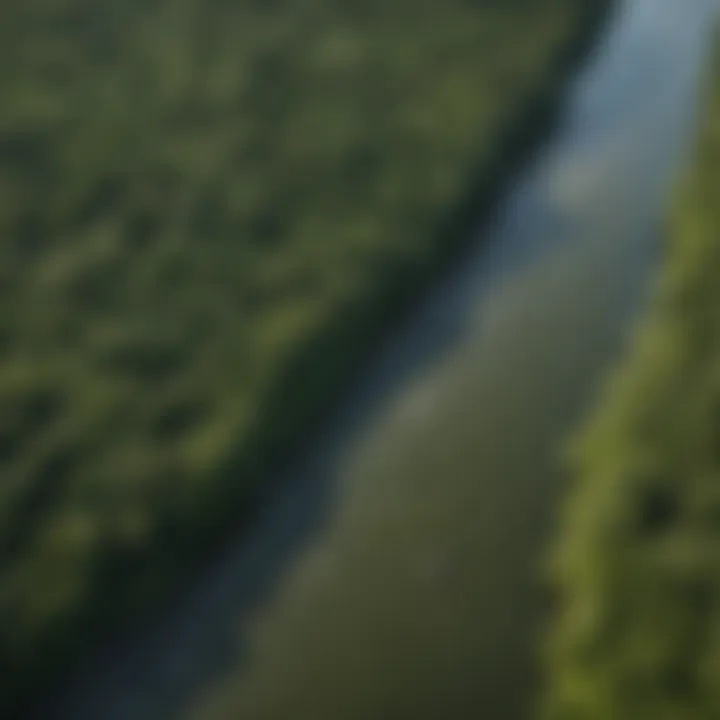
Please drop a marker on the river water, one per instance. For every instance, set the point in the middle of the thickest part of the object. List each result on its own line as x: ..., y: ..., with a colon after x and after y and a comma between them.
x: 396, y: 573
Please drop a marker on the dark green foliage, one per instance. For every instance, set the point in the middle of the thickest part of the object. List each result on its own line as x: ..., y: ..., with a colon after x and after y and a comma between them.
x: 206, y: 206
x: 638, y: 563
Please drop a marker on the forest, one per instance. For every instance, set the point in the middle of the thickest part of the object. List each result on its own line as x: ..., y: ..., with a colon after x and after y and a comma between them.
x: 208, y: 209
x: 636, y: 568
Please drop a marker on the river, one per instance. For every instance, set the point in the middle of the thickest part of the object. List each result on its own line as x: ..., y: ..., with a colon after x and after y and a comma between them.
x: 395, y: 574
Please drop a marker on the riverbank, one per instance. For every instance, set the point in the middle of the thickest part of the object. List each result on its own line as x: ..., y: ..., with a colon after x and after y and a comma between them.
x: 393, y: 573
x: 637, y: 565
x: 189, y: 300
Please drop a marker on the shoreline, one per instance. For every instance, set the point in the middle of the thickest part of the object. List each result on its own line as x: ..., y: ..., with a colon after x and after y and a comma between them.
x: 191, y: 548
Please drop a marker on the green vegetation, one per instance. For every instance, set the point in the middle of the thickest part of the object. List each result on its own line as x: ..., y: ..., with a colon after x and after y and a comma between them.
x: 638, y: 565
x: 206, y: 208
